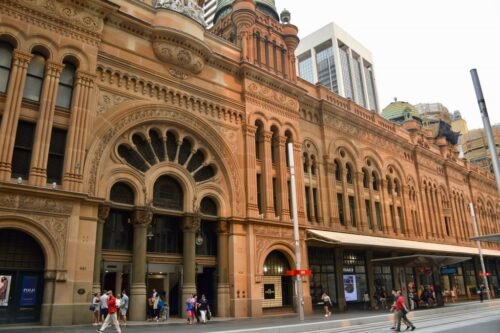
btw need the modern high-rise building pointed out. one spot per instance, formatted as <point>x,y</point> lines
<point>334,59</point>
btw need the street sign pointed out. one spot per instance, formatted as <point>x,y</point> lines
<point>295,272</point>
<point>487,274</point>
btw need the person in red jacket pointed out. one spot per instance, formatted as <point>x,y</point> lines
<point>401,310</point>
<point>111,318</point>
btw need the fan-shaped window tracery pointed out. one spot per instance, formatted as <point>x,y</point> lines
<point>146,151</point>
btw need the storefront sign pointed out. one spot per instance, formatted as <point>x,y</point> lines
<point>269,291</point>
<point>348,269</point>
<point>5,289</point>
<point>29,291</point>
<point>350,288</point>
<point>448,271</point>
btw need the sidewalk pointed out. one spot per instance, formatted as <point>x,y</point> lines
<point>290,322</point>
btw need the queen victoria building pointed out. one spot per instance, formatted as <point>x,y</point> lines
<point>141,151</point>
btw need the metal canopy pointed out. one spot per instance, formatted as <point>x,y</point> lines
<point>493,238</point>
<point>421,260</point>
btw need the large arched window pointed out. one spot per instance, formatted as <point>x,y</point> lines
<point>366,179</point>
<point>65,89</point>
<point>276,264</point>
<point>5,66</point>
<point>349,175</point>
<point>389,184</point>
<point>338,175</point>
<point>167,193</point>
<point>375,182</point>
<point>34,79</point>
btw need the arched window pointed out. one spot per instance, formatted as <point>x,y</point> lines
<point>338,176</point>
<point>375,182</point>
<point>208,206</point>
<point>184,151</point>
<point>366,179</point>
<point>122,193</point>
<point>204,173</point>
<point>349,175</point>
<point>389,184</point>
<point>275,145</point>
<point>313,165</point>
<point>276,264</point>
<point>34,79</point>
<point>5,66</point>
<point>397,187</point>
<point>258,140</point>
<point>65,89</point>
<point>305,163</point>
<point>167,193</point>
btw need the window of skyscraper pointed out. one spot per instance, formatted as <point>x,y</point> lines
<point>306,70</point>
<point>346,71</point>
<point>370,86</point>
<point>358,79</point>
<point>325,62</point>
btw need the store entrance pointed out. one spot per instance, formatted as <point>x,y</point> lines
<point>21,277</point>
<point>206,284</point>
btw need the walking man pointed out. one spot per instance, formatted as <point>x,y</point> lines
<point>111,318</point>
<point>124,307</point>
<point>103,304</point>
<point>401,312</point>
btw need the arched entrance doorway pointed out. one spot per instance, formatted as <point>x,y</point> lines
<point>277,288</point>
<point>21,277</point>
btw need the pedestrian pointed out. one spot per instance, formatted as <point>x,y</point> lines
<point>327,304</point>
<point>481,292</point>
<point>204,309</point>
<point>401,312</point>
<point>103,304</point>
<point>190,308</point>
<point>366,300</point>
<point>96,300</point>
<point>124,307</point>
<point>111,318</point>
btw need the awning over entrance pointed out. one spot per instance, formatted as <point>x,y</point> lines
<point>494,238</point>
<point>419,260</point>
<point>391,243</point>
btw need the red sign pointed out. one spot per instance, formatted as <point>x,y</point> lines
<point>487,274</point>
<point>295,272</point>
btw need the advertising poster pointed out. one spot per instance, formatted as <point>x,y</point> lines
<point>351,294</point>
<point>28,290</point>
<point>4,289</point>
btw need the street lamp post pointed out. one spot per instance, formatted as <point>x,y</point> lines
<point>298,280</point>
<point>478,243</point>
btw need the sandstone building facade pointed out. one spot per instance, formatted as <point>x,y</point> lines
<point>139,151</point>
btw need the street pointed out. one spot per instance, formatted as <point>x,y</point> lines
<point>466,320</point>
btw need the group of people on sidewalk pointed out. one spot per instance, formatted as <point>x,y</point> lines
<point>199,309</point>
<point>107,307</point>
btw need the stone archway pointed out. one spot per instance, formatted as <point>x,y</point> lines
<point>277,288</point>
<point>22,264</point>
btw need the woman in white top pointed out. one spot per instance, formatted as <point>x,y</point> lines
<point>327,304</point>
<point>95,313</point>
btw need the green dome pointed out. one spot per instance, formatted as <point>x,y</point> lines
<point>224,7</point>
<point>400,111</point>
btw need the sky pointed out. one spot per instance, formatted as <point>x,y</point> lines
<point>423,50</point>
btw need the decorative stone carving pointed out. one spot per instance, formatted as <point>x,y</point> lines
<point>189,8</point>
<point>37,204</point>
<point>191,223</point>
<point>103,212</point>
<point>271,95</point>
<point>108,100</point>
<point>275,232</point>
<point>142,216</point>
<point>179,56</point>
<point>67,11</point>
<point>222,227</point>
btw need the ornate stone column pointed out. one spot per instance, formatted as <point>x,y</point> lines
<point>283,180</point>
<point>251,173</point>
<point>12,110</point>
<point>268,176</point>
<point>78,132</point>
<point>223,288</point>
<point>141,219</point>
<point>41,145</point>
<point>190,224</point>
<point>102,215</point>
